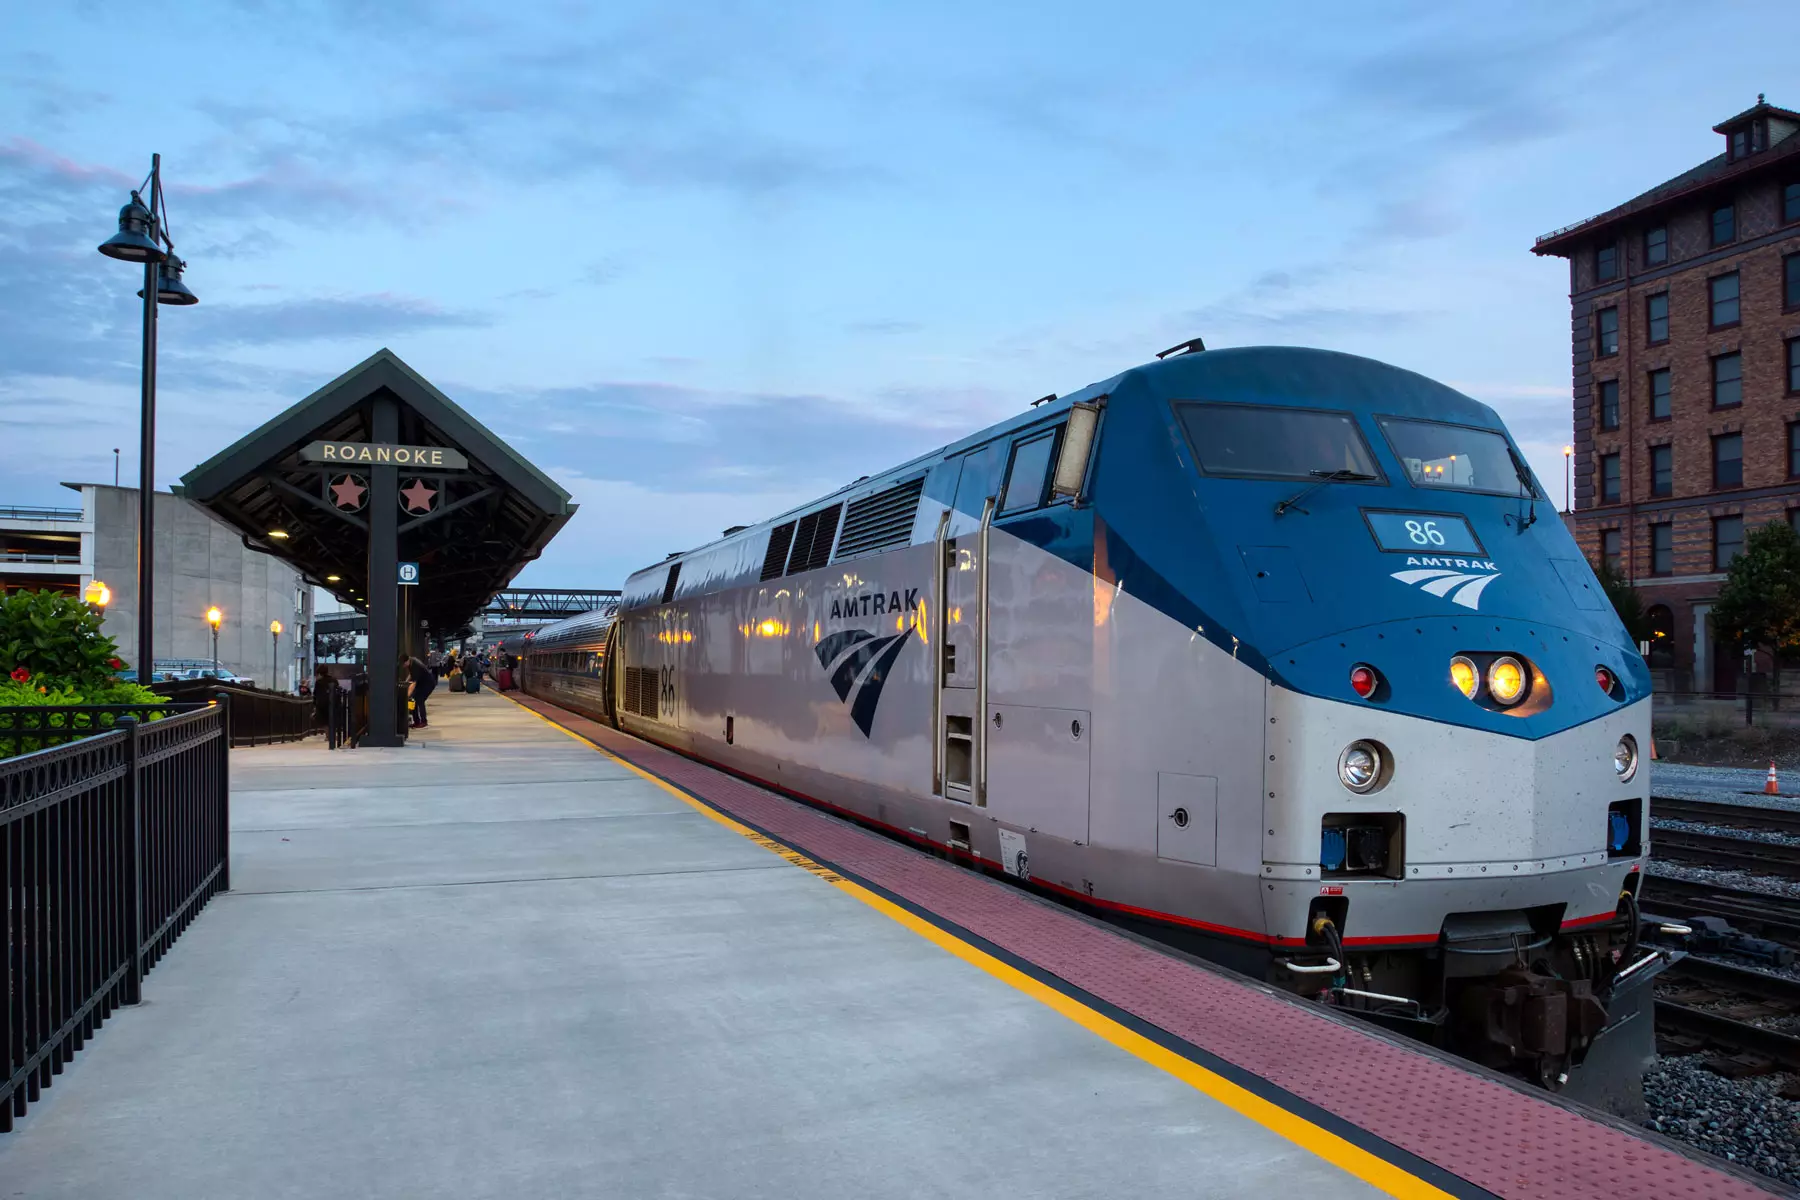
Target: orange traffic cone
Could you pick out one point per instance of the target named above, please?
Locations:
(1770, 787)
(1654, 756)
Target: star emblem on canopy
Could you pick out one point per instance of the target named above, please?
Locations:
(348, 492)
(418, 497)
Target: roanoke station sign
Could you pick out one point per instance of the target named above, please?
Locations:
(436, 457)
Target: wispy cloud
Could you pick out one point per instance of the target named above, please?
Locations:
(362, 318)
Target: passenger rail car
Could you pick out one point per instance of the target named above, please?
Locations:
(1283, 648)
(564, 662)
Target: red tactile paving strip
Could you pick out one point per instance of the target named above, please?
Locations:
(1503, 1140)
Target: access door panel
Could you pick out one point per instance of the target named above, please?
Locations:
(1037, 768)
(1187, 827)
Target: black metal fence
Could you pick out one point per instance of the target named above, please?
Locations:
(39, 727)
(257, 716)
(109, 846)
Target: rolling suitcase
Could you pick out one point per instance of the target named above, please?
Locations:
(505, 680)
(456, 681)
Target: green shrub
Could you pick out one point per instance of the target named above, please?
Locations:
(54, 641)
(53, 655)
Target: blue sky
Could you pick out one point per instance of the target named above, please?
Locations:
(702, 262)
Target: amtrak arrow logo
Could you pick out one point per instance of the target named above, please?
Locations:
(853, 651)
(1451, 578)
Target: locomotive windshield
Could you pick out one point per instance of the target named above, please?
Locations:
(1276, 443)
(1457, 458)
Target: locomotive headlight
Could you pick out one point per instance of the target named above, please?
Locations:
(1359, 766)
(1625, 758)
(1464, 675)
(1506, 680)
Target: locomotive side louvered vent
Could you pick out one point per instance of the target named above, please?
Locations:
(813, 538)
(641, 692)
(881, 521)
(775, 561)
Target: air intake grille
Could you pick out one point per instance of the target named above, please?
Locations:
(881, 521)
(775, 561)
(813, 538)
(641, 692)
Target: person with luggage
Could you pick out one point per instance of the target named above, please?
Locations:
(419, 684)
(471, 666)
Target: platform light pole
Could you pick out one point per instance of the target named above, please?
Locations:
(1568, 479)
(213, 617)
(143, 238)
(274, 652)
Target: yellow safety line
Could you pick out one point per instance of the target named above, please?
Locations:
(1370, 1168)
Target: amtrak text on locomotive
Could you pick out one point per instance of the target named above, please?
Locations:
(1465, 564)
(874, 604)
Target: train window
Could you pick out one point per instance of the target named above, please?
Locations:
(1029, 471)
(1276, 443)
(1458, 458)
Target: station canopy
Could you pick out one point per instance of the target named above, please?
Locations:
(470, 528)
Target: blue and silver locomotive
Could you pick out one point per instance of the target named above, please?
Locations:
(1279, 650)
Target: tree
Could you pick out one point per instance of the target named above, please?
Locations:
(1625, 600)
(1759, 602)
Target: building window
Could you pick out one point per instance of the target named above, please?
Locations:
(1662, 549)
(1728, 380)
(1790, 281)
(1609, 331)
(1790, 202)
(1724, 224)
(1606, 263)
(1611, 554)
(1728, 541)
(1609, 404)
(1740, 143)
(1793, 366)
(1728, 460)
(1724, 300)
(1659, 395)
(1662, 470)
(1656, 314)
(1656, 246)
(1609, 479)
(1794, 450)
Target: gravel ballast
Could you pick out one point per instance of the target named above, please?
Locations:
(1742, 1120)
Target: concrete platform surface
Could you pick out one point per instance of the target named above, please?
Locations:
(496, 963)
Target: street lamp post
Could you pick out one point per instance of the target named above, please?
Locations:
(213, 617)
(143, 238)
(1568, 479)
(274, 652)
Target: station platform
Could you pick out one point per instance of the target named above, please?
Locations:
(517, 958)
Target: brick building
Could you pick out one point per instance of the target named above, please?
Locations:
(1685, 315)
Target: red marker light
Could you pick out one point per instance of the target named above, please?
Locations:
(1363, 680)
(1605, 679)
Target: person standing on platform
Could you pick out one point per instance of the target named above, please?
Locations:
(418, 687)
(324, 686)
(471, 666)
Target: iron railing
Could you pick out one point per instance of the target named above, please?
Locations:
(29, 728)
(32, 512)
(109, 847)
(257, 716)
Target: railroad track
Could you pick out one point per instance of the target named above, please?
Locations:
(1703, 1005)
(1726, 853)
(1731, 816)
(1760, 914)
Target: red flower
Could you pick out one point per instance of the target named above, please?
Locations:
(115, 664)
(21, 675)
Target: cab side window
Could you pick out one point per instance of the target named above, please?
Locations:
(1028, 473)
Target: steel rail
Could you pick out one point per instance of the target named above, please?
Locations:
(1717, 812)
(1726, 853)
(1761, 914)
